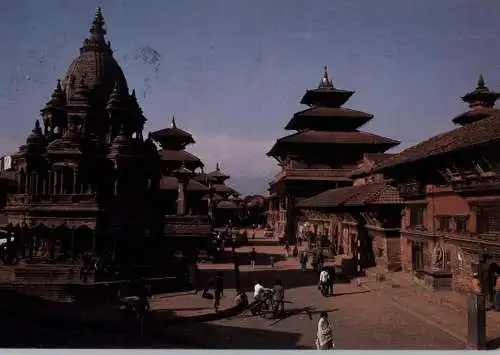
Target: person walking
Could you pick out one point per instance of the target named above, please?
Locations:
(218, 284)
(303, 262)
(324, 336)
(496, 300)
(287, 250)
(253, 258)
(279, 296)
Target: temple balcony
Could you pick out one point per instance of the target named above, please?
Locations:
(312, 174)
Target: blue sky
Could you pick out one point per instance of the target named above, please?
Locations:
(233, 71)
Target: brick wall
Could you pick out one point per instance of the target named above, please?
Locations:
(405, 254)
(393, 253)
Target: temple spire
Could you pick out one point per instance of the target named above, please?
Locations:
(98, 30)
(174, 125)
(217, 167)
(325, 82)
(480, 83)
(37, 129)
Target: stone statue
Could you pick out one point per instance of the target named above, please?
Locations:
(438, 257)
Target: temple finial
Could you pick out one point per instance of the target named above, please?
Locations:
(98, 30)
(36, 128)
(217, 167)
(174, 125)
(133, 94)
(325, 82)
(480, 82)
(58, 86)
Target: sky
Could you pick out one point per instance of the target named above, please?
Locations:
(232, 72)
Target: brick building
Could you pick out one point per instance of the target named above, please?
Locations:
(451, 218)
(363, 218)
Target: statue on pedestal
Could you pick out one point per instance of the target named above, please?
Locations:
(438, 257)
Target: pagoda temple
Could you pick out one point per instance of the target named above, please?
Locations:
(173, 156)
(320, 155)
(224, 201)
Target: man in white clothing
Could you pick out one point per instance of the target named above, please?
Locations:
(324, 276)
(259, 290)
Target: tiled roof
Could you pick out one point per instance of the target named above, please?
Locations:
(475, 115)
(171, 183)
(328, 117)
(378, 157)
(221, 188)
(354, 196)
(204, 178)
(476, 133)
(336, 137)
(227, 205)
(172, 132)
(177, 155)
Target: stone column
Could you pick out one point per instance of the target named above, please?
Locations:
(75, 185)
(54, 181)
(181, 198)
(62, 181)
(290, 228)
(72, 250)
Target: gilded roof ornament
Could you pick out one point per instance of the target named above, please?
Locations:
(326, 82)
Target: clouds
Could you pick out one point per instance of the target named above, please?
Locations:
(238, 156)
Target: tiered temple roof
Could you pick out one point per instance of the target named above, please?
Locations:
(173, 142)
(477, 128)
(326, 126)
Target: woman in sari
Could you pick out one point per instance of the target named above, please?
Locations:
(324, 339)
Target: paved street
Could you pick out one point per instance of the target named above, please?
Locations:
(361, 319)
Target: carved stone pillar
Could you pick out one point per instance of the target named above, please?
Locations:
(75, 182)
(181, 198)
(290, 228)
(183, 175)
(50, 182)
(62, 181)
(72, 252)
(55, 180)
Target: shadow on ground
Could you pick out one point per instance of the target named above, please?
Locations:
(31, 322)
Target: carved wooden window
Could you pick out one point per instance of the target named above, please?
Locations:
(488, 219)
(444, 223)
(453, 172)
(461, 224)
(417, 216)
(483, 166)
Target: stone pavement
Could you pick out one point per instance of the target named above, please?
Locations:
(361, 319)
(444, 309)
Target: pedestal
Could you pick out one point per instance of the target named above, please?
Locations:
(436, 280)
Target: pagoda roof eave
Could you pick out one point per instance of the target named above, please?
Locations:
(326, 97)
(176, 133)
(475, 115)
(340, 117)
(335, 137)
